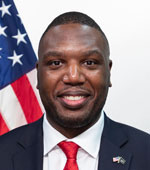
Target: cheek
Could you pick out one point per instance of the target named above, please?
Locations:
(97, 79)
(47, 80)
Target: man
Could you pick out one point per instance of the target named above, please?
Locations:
(73, 81)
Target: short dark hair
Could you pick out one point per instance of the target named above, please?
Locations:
(76, 17)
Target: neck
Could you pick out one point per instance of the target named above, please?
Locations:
(71, 132)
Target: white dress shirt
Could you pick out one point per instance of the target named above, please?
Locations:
(87, 155)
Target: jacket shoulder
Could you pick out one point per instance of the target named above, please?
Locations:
(129, 130)
(132, 131)
(12, 136)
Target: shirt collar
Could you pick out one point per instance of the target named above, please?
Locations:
(52, 137)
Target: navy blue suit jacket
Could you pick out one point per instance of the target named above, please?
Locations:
(22, 148)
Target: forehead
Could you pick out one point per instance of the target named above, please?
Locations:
(72, 37)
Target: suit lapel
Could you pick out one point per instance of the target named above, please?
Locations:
(113, 145)
(29, 154)
(30, 149)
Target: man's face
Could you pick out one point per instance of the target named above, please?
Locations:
(73, 75)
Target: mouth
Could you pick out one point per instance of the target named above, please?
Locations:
(74, 99)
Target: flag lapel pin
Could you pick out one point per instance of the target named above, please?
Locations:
(119, 159)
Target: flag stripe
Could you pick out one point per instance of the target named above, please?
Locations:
(27, 99)
(10, 108)
(3, 126)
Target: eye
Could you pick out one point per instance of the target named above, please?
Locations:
(90, 62)
(54, 63)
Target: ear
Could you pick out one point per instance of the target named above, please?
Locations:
(110, 66)
(37, 66)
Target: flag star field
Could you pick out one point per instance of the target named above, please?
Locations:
(17, 56)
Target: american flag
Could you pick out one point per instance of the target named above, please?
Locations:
(116, 159)
(119, 159)
(19, 103)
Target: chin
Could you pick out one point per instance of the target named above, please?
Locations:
(75, 119)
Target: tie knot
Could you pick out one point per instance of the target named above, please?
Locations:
(69, 148)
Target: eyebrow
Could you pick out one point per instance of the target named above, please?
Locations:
(92, 52)
(53, 53)
(83, 54)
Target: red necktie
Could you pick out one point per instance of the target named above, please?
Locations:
(70, 149)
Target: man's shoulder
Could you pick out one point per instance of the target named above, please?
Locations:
(15, 134)
(132, 131)
(133, 134)
(15, 144)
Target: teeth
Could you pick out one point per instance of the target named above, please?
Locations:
(73, 97)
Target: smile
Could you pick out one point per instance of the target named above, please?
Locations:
(73, 102)
(73, 99)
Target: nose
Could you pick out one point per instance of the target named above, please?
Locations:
(74, 75)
